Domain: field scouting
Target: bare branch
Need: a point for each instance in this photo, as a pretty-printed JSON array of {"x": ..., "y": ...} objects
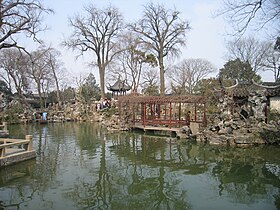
[
  {"x": 162, "y": 31},
  {"x": 254, "y": 14},
  {"x": 96, "y": 32},
  {"x": 20, "y": 17}
]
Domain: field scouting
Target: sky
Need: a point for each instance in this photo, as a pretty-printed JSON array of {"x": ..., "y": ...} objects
[{"x": 206, "y": 39}]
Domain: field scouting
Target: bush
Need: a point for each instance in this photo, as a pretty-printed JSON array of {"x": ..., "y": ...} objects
[
  {"x": 11, "y": 114},
  {"x": 274, "y": 115}
]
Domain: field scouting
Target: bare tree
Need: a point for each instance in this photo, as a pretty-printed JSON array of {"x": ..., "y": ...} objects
[
  {"x": 163, "y": 32},
  {"x": 185, "y": 75},
  {"x": 96, "y": 32},
  {"x": 249, "y": 50},
  {"x": 20, "y": 17},
  {"x": 256, "y": 13},
  {"x": 149, "y": 82},
  {"x": 272, "y": 62},
  {"x": 56, "y": 69},
  {"x": 132, "y": 59},
  {"x": 38, "y": 70},
  {"x": 14, "y": 64}
]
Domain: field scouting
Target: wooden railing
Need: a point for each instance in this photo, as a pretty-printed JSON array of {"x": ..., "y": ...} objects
[
  {"x": 4, "y": 126},
  {"x": 15, "y": 146}
]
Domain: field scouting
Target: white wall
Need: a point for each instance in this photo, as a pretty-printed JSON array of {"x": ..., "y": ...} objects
[{"x": 275, "y": 103}]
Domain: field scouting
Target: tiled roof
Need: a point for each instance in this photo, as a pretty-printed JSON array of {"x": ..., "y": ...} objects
[
  {"x": 243, "y": 89},
  {"x": 119, "y": 86}
]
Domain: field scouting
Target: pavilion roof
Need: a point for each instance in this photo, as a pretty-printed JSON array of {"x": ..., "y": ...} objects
[{"x": 120, "y": 85}]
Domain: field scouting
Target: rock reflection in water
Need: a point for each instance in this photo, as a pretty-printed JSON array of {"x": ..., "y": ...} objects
[{"x": 81, "y": 166}]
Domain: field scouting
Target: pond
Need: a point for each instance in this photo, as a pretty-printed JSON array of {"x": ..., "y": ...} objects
[{"x": 82, "y": 166}]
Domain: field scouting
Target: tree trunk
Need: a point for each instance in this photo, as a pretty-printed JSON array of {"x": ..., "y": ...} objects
[
  {"x": 102, "y": 80},
  {"x": 57, "y": 86},
  {"x": 161, "y": 72}
]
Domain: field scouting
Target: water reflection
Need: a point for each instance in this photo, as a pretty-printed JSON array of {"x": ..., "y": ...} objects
[{"x": 81, "y": 166}]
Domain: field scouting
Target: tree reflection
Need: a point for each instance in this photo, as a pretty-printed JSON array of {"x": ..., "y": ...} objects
[
  {"x": 32, "y": 178},
  {"x": 92, "y": 169},
  {"x": 245, "y": 178},
  {"x": 126, "y": 183}
]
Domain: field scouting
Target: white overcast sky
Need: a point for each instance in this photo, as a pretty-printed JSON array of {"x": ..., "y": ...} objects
[{"x": 206, "y": 39}]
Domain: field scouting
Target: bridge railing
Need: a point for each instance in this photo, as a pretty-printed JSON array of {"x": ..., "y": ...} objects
[
  {"x": 16, "y": 145},
  {"x": 4, "y": 126}
]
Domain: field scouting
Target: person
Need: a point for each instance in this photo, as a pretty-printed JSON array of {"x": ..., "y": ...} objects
[
  {"x": 188, "y": 118},
  {"x": 44, "y": 115},
  {"x": 34, "y": 115}
]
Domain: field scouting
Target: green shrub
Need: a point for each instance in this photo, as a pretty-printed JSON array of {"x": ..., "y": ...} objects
[
  {"x": 274, "y": 115},
  {"x": 11, "y": 114}
]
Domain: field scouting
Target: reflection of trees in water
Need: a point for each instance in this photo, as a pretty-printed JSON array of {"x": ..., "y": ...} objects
[
  {"x": 19, "y": 194},
  {"x": 129, "y": 170},
  {"x": 125, "y": 183},
  {"x": 244, "y": 176},
  {"x": 33, "y": 178}
]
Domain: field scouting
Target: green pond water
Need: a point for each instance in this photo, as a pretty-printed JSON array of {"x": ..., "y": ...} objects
[{"x": 81, "y": 166}]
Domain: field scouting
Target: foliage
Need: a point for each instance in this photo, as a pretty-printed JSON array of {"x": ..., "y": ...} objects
[
  {"x": 211, "y": 90},
  {"x": 236, "y": 69},
  {"x": 151, "y": 90},
  {"x": 90, "y": 90},
  {"x": 52, "y": 97},
  {"x": 109, "y": 112},
  {"x": 262, "y": 55},
  {"x": 163, "y": 32},
  {"x": 5, "y": 89},
  {"x": 10, "y": 115},
  {"x": 274, "y": 115},
  {"x": 68, "y": 94}
]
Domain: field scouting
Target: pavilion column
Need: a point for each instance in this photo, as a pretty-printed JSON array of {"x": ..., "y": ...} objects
[
  {"x": 144, "y": 115},
  {"x": 179, "y": 112},
  {"x": 170, "y": 114},
  {"x": 195, "y": 111},
  {"x": 165, "y": 111}
]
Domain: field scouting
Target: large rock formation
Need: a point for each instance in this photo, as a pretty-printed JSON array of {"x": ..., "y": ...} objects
[{"x": 242, "y": 124}]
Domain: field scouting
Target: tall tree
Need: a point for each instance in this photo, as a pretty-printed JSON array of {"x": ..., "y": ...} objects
[
  {"x": 132, "y": 59},
  {"x": 56, "y": 69},
  {"x": 38, "y": 70},
  {"x": 251, "y": 50},
  {"x": 96, "y": 32},
  {"x": 236, "y": 69},
  {"x": 252, "y": 13},
  {"x": 14, "y": 64},
  {"x": 186, "y": 74},
  {"x": 272, "y": 62},
  {"x": 163, "y": 32},
  {"x": 20, "y": 17}
]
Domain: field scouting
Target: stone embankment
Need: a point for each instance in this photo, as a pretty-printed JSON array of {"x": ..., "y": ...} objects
[
  {"x": 242, "y": 125},
  {"x": 241, "y": 134},
  {"x": 235, "y": 124}
]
